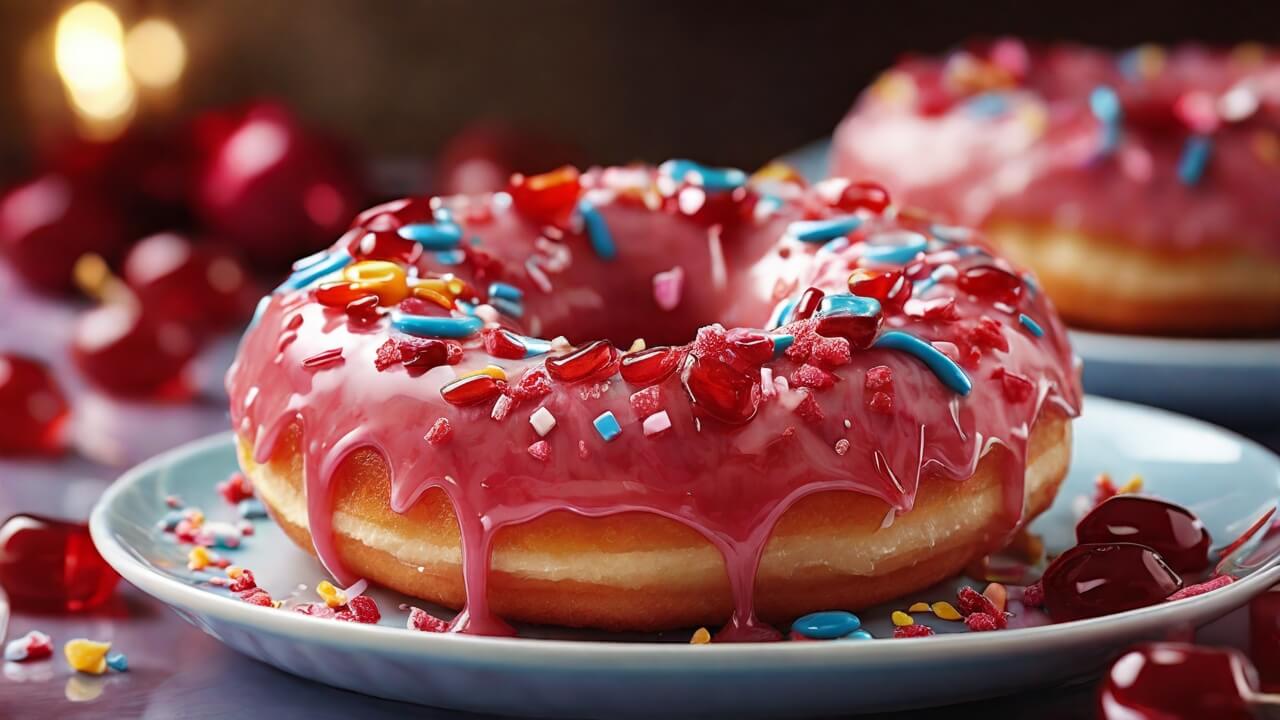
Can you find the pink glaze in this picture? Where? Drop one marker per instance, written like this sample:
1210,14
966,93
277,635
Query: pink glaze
934,131
729,483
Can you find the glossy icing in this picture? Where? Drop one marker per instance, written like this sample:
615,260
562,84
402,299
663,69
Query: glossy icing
1176,148
723,433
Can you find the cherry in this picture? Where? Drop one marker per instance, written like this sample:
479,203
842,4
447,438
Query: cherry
1100,579
1176,680
51,565
1169,529
33,409
49,222
125,349
191,284
547,198
991,282
596,360
651,366
863,195
720,391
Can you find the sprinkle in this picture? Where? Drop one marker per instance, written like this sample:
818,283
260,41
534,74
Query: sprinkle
945,611
815,231
451,257
901,619
507,307
988,104
701,636
657,423
540,450
503,290
1266,145
310,272
637,345
896,247
492,371
1195,158
170,520
835,246
597,231
919,607
1032,326
766,382
946,370
35,645
332,596
780,313
667,288
533,346
86,656
442,235
199,558
781,343
607,426
537,275
173,501
715,252
436,327
1105,105
826,625
117,661
1134,485
322,358
709,178
847,304
859,635
220,534
542,421
251,509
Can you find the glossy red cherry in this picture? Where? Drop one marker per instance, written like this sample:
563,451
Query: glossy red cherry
191,284
48,223
1169,529
808,304
1101,579
863,195
472,390
33,410
49,565
651,366
859,330
719,391
1162,681
125,349
989,281
593,361
547,198
890,287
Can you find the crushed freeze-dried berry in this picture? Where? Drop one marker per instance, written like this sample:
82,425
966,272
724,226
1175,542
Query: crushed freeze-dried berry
1202,588
981,622
912,631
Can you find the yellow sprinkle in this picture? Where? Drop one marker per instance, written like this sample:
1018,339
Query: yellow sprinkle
895,88
86,656
701,636
332,596
1249,53
435,296
492,371
1133,486
1034,117
901,619
777,171
195,517
1150,60
637,345
945,611
998,595
277,604
918,607
1267,147
199,558
234,571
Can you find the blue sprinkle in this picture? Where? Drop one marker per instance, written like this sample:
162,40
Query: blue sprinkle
475,241
836,245
859,635
988,104
117,661
826,625
451,257
507,307
440,235
436,327
847,304
713,179
942,366
503,290
780,313
597,230
251,509
534,346
904,251
950,233
815,231
607,426
171,520
1032,326
1195,158
1105,104
311,272
1030,281
781,343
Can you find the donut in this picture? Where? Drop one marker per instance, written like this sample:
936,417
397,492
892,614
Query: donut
1138,186
640,398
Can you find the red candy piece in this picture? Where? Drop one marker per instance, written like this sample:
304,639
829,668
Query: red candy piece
189,283
863,195
890,287
365,310
533,384
912,631
33,410
860,331
243,583
547,198
648,367
126,350
364,609
1016,388
257,596
807,305
340,294
750,347
720,391
1175,680
992,283
472,390
235,488
502,344
1169,529
52,565
439,432
424,621
1100,579
589,362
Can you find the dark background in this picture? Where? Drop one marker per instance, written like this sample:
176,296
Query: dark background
730,83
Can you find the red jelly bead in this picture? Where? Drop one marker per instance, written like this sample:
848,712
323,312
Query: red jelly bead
807,305
868,196
720,391
890,287
989,281
126,350
502,344
860,331
546,198
48,564
340,294
472,390
423,353
1100,579
1177,680
648,367
1169,529
750,347
364,310
591,361
33,410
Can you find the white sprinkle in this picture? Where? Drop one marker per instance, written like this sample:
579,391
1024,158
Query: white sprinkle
667,288
656,423
560,344
487,313
719,277
1238,103
847,424
538,277
766,382
945,272
791,399
542,421
888,518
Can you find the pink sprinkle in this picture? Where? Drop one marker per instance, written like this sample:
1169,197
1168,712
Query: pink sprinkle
948,349
1202,588
356,588
766,382
440,432
656,423
540,450
538,276
719,276
667,288
325,357
173,501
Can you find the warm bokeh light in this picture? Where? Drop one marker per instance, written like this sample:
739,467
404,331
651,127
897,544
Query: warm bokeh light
89,55
155,53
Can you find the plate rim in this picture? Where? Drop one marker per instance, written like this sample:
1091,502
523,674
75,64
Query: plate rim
538,652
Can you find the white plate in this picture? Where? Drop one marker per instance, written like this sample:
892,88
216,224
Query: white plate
1226,479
